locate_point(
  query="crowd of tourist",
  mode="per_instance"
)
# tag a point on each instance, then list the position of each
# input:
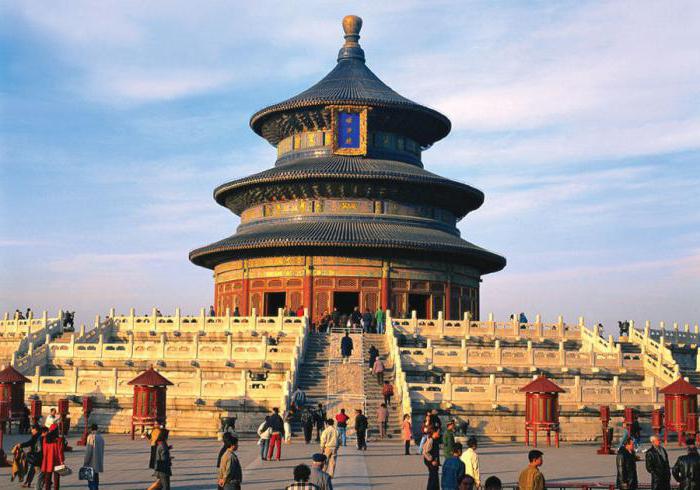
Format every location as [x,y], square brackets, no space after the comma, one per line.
[369,322]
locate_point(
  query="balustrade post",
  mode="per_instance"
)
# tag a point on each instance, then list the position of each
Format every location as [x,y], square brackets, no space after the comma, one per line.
[468,322]
[254,318]
[202,318]
[414,320]
[441,324]
[530,354]
[162,346]
[227,325]
[491,325]
[244,383]
[562,354]
[516,326]
[154,318]
[497,353]
[45,318]
[229,347]
[132,315]
[100,344]
[178,319]
[195,341]
[578,388]
[71,344]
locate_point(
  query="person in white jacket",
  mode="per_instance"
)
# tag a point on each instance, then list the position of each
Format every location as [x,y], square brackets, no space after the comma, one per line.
[471,462]
[264,433]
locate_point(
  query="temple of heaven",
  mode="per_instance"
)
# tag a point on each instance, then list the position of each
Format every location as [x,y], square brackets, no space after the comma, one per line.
[348,216]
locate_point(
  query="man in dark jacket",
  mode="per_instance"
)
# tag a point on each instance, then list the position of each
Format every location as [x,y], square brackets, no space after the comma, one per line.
[307,423]
[320,420]
[373,354]
[658,466]
[627,466]
[686,471]
[361,424]
[346,347]
[34,454]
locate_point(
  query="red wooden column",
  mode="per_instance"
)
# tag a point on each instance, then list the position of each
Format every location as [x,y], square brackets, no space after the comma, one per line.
[384,296]
[680,399]
[308,287]
[245,292]
[448,301]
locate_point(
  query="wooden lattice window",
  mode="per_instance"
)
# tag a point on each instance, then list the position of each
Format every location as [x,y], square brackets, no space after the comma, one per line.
[256,302]
[322,303]
[370,283]
[347,283]
[294,283]
[274,283]
[399,284]
[323,282]
[258,284]
[295,300]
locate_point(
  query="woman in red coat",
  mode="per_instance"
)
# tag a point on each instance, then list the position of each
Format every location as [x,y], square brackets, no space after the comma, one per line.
[52,457]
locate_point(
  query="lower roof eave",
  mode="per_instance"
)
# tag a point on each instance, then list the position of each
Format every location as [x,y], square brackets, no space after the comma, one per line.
[483,261]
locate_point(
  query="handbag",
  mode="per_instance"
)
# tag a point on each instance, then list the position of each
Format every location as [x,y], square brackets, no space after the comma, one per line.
[86,473]
[62,470]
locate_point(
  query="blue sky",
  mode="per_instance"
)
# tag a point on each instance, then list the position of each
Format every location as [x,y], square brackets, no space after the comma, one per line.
[579,120]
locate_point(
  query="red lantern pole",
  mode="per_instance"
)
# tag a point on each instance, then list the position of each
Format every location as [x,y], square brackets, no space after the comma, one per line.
[605,421]
[87,409]
[64,421]
[656,422]
[4,418]
[36,411]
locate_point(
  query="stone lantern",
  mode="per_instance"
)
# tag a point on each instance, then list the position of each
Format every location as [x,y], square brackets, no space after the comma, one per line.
[541,409]
[12,391]
[149,399]
[680,399]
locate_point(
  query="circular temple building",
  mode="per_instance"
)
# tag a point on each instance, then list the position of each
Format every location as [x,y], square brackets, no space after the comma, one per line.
[348,216]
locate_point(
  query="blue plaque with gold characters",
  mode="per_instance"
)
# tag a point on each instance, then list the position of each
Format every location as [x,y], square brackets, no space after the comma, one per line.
[349,125]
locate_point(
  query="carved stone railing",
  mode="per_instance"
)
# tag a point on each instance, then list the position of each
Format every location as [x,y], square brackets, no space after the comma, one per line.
[400,384]
[215,324]
[13,325]
[512,329]
[657,358]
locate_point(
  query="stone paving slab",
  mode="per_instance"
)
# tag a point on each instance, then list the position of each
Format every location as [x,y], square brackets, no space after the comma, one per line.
[383,466]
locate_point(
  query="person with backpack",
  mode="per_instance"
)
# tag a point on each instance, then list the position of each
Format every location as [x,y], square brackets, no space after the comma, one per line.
[387,392]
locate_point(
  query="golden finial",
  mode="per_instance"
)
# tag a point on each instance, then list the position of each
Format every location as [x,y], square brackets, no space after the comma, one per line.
[351,49]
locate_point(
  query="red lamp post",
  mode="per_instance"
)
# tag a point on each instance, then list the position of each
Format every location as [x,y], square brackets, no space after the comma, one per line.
[64,421]
[542,409]
[150,389]
[12,391]
[4,418]
[680,399]
[605,421]
[691,425]
[87,410]
[36,411]
[656,421]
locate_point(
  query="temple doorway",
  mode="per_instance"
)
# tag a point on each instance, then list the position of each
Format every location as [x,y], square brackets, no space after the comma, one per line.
[273,301]
[346,302]
[420,303]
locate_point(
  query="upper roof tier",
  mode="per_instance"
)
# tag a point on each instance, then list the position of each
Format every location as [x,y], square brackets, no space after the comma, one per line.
[351,82]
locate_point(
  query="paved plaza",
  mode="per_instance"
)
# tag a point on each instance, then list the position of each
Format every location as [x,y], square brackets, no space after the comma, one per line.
[383,466]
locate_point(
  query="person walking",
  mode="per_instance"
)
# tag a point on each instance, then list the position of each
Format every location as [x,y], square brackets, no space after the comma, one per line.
[382,420]
[470,458]
[373,353]
[302,473]
[658,466]
[346,347]
[453,469]
[230,472]
[379,319]
[307,424]
[34,443]
[153,443]
[387,392]
[51,418]
[287,419]
[356,317]
[686,471]
[342,424]
[431,459]
[94,456]
[406,433]
[531,478]
[319,477]
[52,456]
[329,447]
[378,370]
[426,429]
[276,424]
[626,464]
[264,434]
[367,319]
[227,440]
[448,440]
[320,420]
[163,463]
[361,425]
